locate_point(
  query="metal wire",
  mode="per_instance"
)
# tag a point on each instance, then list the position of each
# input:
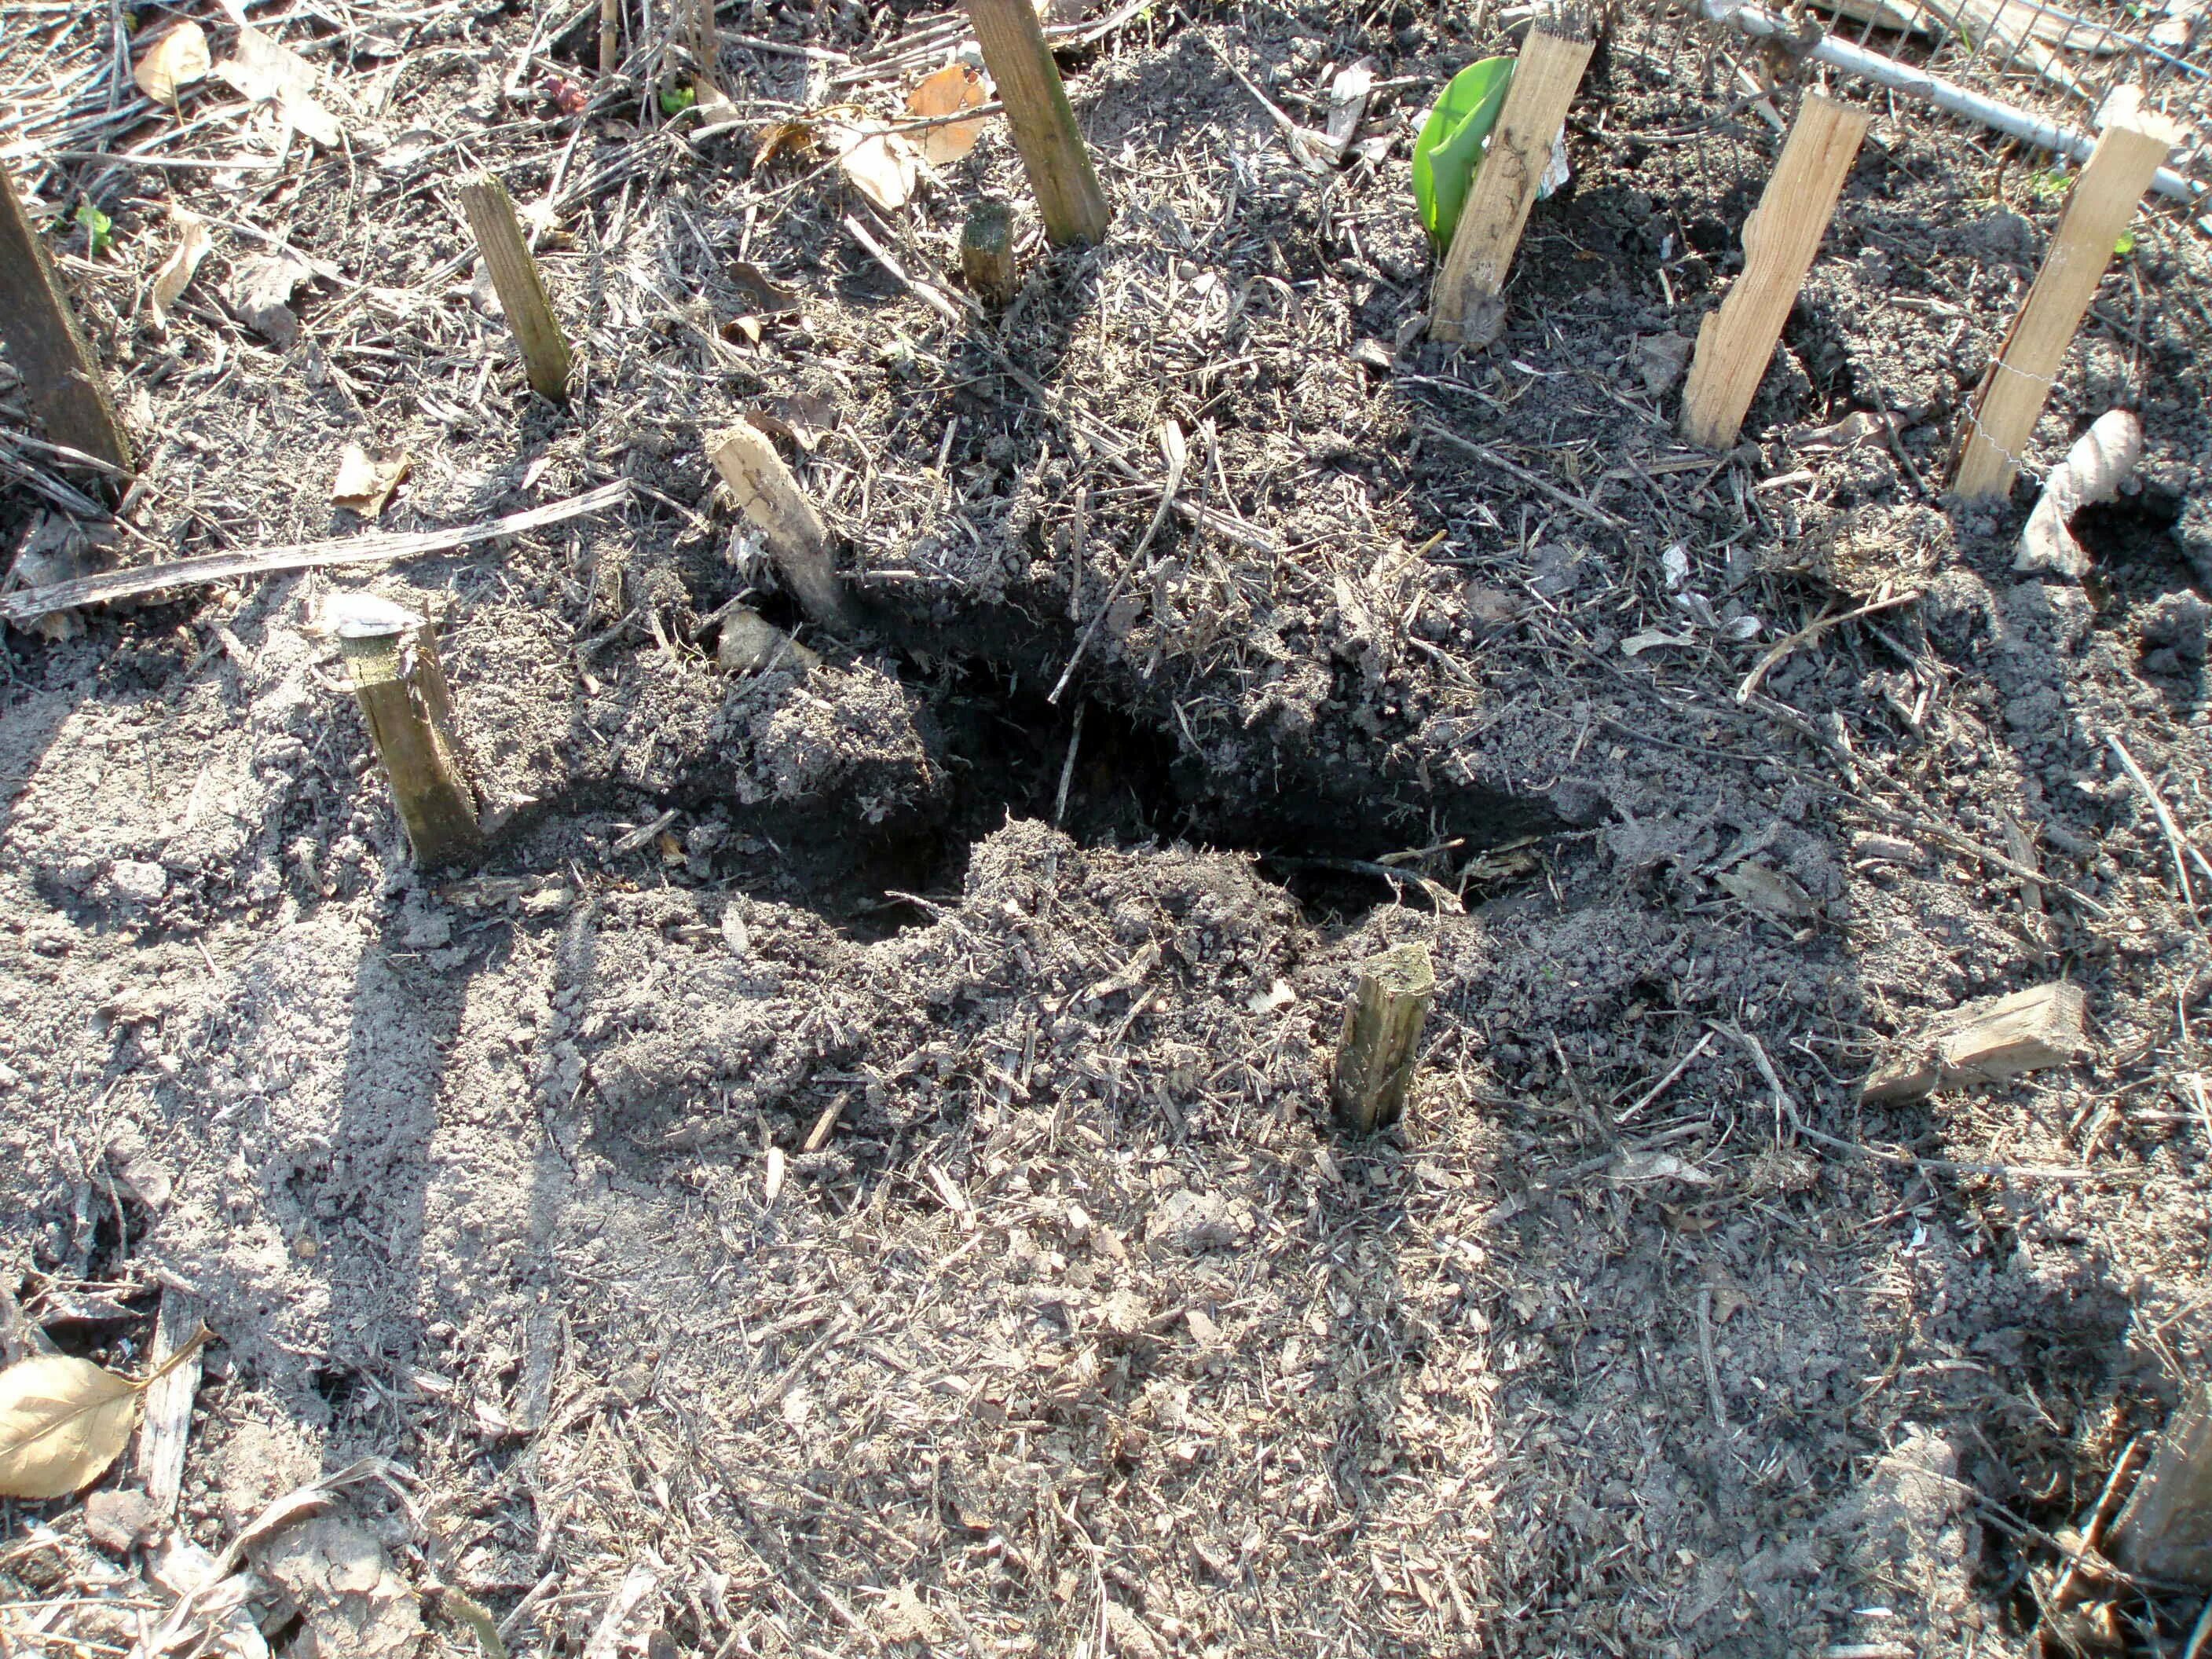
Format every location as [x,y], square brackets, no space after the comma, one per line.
[2054,65]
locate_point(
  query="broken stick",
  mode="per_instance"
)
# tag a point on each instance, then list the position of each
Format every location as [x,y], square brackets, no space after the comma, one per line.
[797,541]
[2134,144]
[545,356]
[378,549]
[1014,51]
[1736,342]
[1382,1031]
[392,656]
[60,374]
[166,1428]
[1986,1041]
[2164,1530]
[1470,303]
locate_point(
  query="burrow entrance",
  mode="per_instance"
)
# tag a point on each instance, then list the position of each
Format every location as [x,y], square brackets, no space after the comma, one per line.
[1340,840]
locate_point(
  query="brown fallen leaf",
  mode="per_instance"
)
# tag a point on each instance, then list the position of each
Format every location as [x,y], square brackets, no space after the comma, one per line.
[778,136]
[267,71]
[176,60]
[175,274]
[762,294]
[950,90]
[883,165]
[64,1420]
[365,484]
[262,294]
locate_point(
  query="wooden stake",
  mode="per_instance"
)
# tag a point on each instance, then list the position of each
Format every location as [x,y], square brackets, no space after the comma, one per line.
[1736,342]
[986,254]
[1045,133]
[2165,1531]
[393,656]
[2135,145]
[60,375]
[778,509]
[610,16]
[1470,305]
[522,290]
[1381,1029]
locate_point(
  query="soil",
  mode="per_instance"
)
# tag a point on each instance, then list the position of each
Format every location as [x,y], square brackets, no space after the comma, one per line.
[894,1202]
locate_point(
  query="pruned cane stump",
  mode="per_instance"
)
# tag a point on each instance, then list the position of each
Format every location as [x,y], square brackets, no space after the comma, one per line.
[1382,1037]
[391,656]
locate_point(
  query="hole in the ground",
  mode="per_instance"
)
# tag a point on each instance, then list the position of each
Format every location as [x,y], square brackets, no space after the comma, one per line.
[1322,829]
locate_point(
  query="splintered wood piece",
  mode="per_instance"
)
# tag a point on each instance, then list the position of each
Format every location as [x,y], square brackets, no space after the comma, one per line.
[986,254]
[772,499]
[60,375]
[2134,146]
[392,656]
[1736,342]
[1376,1054]
[1986,1041]
[522,290]
[1470,303]
[2164,1530]
[1068,196]
[165,1427]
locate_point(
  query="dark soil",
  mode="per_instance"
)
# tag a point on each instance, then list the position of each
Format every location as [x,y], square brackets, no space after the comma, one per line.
[892,1206]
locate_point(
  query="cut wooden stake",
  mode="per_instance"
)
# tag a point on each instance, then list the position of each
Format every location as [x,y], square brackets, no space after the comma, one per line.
[2165,1531]
[392,656]
[60,375]
[2135,142]
[1470,304]
[770,497]
[1736,342]
[1014,51]
[1986,1041]
[522,290]
[986,252]
[1376,1054]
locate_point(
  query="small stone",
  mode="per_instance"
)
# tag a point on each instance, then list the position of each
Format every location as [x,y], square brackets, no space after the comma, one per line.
[1661,360]
[750,644]
[140,884]
[120,1520]
[1192,1222]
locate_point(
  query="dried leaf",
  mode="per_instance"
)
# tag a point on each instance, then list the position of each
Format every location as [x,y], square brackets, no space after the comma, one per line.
[950,90]
[266,70]
[176,272]
[177,59]
[364,483]
[882,166]
[2102,459]
[62,1421]
[1768,891]
[567,97]
[263,293]
[760,294]
[796,136]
